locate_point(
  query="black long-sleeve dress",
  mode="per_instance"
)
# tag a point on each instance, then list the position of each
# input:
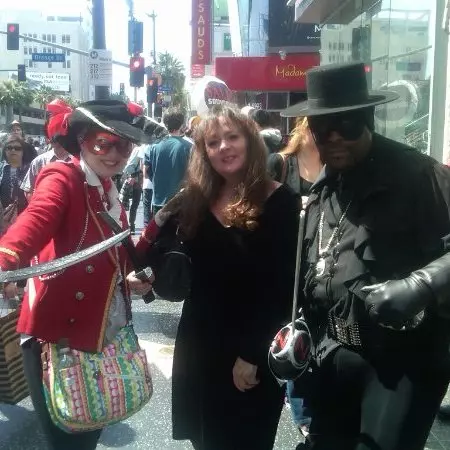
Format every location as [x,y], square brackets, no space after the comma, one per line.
[241,295]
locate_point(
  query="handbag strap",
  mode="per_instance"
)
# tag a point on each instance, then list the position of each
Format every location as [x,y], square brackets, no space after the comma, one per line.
[298,263]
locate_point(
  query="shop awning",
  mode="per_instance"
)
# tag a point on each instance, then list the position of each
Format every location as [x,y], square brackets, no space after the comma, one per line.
[333,11]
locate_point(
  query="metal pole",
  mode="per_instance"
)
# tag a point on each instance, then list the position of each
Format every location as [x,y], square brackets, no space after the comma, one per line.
[135,95]
[99,40]
[65,47]
[154,37]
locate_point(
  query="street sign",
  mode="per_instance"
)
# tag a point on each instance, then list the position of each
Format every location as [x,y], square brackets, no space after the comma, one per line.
[164,88]
[100,67]
[49,57]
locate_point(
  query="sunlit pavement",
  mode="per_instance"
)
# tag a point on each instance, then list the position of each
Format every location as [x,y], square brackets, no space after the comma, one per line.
[156,326]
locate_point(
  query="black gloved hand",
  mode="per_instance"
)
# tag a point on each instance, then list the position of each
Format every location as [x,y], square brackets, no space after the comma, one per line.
[396,302]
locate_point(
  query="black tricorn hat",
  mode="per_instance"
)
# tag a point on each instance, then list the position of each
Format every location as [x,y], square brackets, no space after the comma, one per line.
[336,88]
[113,116]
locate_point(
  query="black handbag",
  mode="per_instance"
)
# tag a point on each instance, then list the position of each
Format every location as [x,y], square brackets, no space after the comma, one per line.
[171,265]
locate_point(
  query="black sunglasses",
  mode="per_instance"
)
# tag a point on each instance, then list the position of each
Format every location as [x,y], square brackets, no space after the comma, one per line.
[10,148]
[349,126]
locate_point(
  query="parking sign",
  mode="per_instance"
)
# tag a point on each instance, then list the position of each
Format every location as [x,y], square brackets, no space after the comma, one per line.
[100,67]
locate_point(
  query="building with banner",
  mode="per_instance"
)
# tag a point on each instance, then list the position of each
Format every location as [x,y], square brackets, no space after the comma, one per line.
[211,36]
[72,31]
[273,53]
[404,47]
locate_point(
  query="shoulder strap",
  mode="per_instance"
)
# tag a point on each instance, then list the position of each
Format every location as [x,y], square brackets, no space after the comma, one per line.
[283,168]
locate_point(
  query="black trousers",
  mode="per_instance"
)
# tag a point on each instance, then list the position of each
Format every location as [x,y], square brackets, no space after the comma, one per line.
[147,201]
[135,199]
[57,439]
[357,404]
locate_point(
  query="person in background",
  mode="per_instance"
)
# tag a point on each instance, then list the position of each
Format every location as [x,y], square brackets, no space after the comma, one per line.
[16,129]
[168,161]
[58,111]
[192,125]
[299,164]
[16,159]
[132,186]
[156,131]
[272,137]
[240,231]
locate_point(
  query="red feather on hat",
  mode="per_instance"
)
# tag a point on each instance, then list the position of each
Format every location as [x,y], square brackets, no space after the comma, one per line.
[59,112]
[134,109]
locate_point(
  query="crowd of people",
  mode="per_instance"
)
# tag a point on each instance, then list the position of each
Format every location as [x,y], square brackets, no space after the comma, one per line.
[359,224]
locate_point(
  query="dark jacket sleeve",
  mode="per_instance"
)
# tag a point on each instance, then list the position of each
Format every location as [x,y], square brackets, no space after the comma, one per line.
[433,211]
[273,281]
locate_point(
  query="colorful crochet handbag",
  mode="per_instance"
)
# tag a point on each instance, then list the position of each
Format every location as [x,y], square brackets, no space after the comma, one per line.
[87,391]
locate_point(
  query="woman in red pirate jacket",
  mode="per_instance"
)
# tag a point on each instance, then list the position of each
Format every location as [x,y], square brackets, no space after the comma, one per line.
[87,304]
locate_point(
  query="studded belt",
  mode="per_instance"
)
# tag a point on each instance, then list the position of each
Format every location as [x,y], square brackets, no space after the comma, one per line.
[348,335]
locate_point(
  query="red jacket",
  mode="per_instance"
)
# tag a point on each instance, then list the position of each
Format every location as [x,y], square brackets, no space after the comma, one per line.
[73,304]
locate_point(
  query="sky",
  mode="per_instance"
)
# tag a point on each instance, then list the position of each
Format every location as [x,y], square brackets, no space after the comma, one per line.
[172,27]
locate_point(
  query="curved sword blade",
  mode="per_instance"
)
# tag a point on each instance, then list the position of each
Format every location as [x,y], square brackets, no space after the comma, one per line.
[63,262]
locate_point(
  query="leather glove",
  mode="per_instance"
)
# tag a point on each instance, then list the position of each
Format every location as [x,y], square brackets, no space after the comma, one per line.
[397,302]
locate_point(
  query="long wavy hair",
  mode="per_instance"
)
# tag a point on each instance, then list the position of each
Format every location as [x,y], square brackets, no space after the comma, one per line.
[203,184]
[297,138]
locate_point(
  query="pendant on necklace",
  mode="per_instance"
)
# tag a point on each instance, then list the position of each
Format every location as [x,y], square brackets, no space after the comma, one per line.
[320,267]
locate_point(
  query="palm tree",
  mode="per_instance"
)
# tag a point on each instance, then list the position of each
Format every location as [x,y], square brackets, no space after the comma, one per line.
[43,96]
[172,72]
[72,102]
[14,94]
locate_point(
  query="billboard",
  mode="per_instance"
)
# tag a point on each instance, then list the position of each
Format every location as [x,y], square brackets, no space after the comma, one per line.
[266,73]
[55,81]
[201,31]
[285,33]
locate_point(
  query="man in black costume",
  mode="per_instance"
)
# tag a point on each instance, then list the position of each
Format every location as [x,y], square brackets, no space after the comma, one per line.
[377,214]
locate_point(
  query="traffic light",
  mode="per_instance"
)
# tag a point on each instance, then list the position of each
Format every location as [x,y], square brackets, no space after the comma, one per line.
[137,71]
[135,37]
[12,36]
[152,90]
[21,72]
[122,89]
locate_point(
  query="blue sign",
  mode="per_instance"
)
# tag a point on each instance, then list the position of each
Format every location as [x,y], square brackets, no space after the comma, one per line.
[164,88]
[48,57]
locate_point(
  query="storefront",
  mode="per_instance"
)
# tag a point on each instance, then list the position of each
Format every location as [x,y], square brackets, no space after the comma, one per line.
[398,41]
[268,82]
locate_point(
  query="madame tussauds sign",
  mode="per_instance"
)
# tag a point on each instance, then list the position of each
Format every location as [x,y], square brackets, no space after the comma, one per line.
[201,32]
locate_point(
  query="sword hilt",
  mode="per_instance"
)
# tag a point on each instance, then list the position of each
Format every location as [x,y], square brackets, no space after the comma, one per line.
[144,275]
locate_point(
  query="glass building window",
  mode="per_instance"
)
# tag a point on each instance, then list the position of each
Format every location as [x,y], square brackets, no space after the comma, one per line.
[377,38]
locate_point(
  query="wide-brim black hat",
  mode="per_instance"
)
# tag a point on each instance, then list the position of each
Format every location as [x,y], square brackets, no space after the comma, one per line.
[337,88]
[113,116]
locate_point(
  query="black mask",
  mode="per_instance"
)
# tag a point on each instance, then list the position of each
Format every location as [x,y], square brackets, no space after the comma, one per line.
[349,125]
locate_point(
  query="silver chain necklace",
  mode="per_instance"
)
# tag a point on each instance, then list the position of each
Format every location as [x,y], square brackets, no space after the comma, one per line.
[323,252]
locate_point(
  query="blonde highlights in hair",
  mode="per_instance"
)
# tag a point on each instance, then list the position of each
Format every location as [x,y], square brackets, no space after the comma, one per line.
[298,137]
[203,184]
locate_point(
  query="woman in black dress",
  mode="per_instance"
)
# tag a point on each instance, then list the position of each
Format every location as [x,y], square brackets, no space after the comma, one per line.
[298,165]
[241,231]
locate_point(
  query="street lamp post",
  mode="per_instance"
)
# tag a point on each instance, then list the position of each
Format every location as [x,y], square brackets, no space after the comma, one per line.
[99,40]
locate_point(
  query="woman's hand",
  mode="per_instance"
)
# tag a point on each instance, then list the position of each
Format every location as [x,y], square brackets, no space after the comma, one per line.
[138,286]
[244,375]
